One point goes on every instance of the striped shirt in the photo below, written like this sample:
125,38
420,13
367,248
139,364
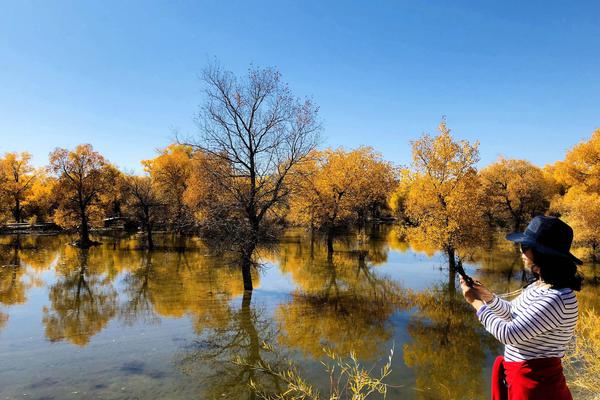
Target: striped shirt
537,324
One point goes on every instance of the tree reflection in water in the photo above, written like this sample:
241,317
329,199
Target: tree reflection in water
224,356
139,297
340,302
448,347
82,300
14,279
13,288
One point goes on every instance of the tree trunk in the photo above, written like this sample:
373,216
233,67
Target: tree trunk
451,269
247,269
517,224
84,231
330,240
17,211
149,237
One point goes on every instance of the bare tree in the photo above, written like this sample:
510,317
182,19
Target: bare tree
260,131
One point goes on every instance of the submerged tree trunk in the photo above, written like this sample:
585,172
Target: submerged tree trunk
84,231
149,237
330,240
451,269
17,211
247,266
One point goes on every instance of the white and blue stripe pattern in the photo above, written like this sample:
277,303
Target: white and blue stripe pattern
537,324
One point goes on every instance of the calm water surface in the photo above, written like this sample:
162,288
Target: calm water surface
117,322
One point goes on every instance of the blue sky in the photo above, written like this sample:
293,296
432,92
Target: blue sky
521,77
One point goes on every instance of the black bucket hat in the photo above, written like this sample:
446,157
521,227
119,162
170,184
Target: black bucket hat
548,235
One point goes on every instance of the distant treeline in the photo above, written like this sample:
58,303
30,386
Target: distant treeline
441,192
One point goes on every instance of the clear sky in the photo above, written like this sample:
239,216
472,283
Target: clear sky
522,77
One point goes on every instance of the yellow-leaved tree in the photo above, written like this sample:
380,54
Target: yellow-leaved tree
579,177
16,179
515,191
444,201
170,172
338,187
41,202
83,177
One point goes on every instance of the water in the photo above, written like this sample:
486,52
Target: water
117,322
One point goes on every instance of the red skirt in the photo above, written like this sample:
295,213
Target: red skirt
537,379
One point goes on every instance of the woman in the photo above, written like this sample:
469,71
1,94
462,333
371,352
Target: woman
536,326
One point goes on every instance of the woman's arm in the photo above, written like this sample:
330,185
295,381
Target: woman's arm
542,315
500,307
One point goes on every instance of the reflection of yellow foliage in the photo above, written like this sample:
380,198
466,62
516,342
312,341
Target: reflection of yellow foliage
12,287
340,301
395,239
347,323
83,300
3,320
447,350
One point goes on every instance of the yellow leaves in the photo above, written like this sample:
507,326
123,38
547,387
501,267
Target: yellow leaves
443,199
339,185
16,178
581,165
171,171
579,175
516,190
442,158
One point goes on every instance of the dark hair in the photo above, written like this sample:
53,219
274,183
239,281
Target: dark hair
559,272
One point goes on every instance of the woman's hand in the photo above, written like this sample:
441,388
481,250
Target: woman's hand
468,291
475,294
477,291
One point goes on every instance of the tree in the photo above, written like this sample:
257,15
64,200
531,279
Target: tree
515,191
341,187
42,202
444,199
397,200
81,180
17,176
260,131
581,210
170,173
144,202
579,178
82,300
581,166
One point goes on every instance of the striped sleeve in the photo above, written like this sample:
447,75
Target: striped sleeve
542,315
500,307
